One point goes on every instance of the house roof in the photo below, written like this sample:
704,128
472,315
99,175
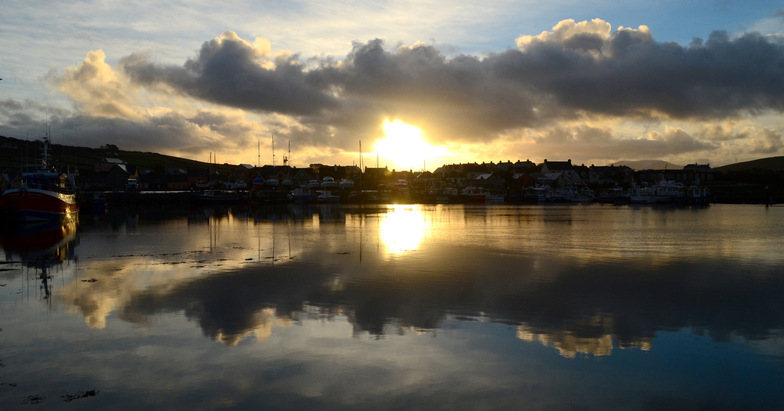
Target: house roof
558,165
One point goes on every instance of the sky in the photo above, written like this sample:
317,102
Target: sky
415,84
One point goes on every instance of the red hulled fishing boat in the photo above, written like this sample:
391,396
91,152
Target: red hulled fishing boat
41,195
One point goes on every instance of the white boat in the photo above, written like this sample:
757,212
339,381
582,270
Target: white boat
666,192
641,195
669,191
300,195
346,184
580,195
328,182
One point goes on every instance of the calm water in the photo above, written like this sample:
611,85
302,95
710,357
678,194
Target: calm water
399,307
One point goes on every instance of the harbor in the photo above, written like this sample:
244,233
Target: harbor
343,306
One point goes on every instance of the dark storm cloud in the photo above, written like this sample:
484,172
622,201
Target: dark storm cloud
720,77
625,73
226,71
19,122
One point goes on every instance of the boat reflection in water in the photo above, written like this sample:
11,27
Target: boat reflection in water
40,246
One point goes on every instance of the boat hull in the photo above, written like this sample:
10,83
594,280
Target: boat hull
34,205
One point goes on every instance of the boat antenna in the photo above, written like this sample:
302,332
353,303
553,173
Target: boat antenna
360,173
45,157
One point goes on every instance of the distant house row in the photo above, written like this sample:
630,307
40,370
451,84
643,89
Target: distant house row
115,174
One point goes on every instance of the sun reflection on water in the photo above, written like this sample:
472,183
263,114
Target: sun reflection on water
402,229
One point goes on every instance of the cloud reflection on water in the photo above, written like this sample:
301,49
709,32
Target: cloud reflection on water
511,266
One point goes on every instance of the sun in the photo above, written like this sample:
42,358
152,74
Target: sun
403,147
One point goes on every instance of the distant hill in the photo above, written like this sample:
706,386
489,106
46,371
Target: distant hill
15,152
648,165
770,163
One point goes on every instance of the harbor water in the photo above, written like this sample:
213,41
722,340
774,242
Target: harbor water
529,307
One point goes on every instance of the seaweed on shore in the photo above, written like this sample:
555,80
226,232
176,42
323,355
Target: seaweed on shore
34,399
80,394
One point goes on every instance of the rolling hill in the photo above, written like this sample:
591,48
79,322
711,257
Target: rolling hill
15,153
770,163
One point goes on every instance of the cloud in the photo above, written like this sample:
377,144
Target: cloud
766,141
567,79
94,88
576,69
172,132
233,72
627,73
603,143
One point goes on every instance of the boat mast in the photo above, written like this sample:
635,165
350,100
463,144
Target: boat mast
45,156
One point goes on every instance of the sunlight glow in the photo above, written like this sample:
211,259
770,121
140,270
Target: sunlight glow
403,148
402,229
